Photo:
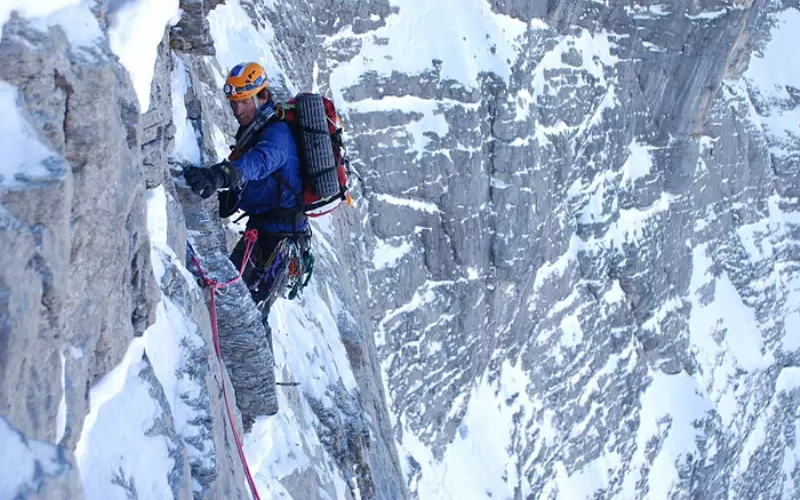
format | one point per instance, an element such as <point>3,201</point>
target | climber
<point>259,178</point>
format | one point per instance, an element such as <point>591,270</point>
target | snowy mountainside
<point>584,244</point>
<point>134,408</point>
<point>571,270</point>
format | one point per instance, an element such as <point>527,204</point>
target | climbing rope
<point>214,287</point>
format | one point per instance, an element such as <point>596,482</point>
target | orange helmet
<point>244,81</point>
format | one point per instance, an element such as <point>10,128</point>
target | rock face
<point>561,243</point>
<point>571,269</point>
<point>107,354</point>
<point>77,282</point>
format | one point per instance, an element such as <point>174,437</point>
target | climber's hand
<point>206,181</point>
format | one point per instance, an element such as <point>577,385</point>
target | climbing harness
<point>215,287</point>
<point>289,267</point>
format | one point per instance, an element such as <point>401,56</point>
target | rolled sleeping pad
<point>317,145</point>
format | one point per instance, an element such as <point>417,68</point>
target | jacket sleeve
<point>268,155</point>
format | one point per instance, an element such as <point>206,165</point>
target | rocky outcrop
<point>78,284</point>
<point>77,275</point>
<point>569,220</point>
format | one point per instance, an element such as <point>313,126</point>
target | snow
<point>77,21</point>
<point>639,163</point>
<point>157,227</point>
<point>725,316</point>
<point>308,349</point>
<point>123,408</point>
<point>187,147</point>
<point>61,415</point>
<point>24,156</point>
<point>771,75</point>
<point>237,40</point>
<point>595,50</point>
<point>724,334</point>
<point>421,206</point>
<point>427,117</point>
<point>386,255</point>
<point>423,295</point>
<point>156,199</point>
<point>586,482</point>
<point>788,379</point>
<point>571,332</point>
<point>123,412</point>
<point>477,463</point>
<point>135,29</point>
<point>630,226</point>
<point>168,344</point>
<point>707,16</point>
<point>24,462</point>
<point>308,333</point>
<point>28,9</point>
<point>669,408</point>
<point>416,35</point>
<point>648,12</point>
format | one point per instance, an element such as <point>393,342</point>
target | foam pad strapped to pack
<point>317,145</point>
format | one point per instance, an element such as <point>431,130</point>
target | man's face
<point>244,111</point>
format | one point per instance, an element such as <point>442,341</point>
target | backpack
<point>316,200</point>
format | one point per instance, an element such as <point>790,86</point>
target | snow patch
<point>421,206</point>
<point>61,416</point>
<point>187,147</point>
<point>25,158</point>
<point>387,255</point>
<point>135,29</point>
<point>24,462</point>
<point>122,411</point>
<point>639,163</point>
<point>473,39</point>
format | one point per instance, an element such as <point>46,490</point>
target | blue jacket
<point>275,151</point>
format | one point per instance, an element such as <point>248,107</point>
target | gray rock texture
<point>523,225</point>
<point>598,249</point>
<point>79,263</point>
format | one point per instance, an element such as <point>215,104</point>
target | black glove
<point>228,202</point>
<point>206,181</point>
